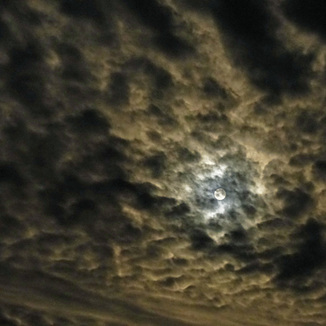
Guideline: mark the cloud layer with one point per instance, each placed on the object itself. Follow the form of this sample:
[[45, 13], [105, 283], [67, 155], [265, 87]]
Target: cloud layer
[[119, 121]]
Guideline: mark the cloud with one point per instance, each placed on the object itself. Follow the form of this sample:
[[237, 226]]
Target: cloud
[[159, 19], [250, 34], [320, 169], [309, 256], [307, 14], [85, 9], [296, 202], [24, 81], [119, 120]]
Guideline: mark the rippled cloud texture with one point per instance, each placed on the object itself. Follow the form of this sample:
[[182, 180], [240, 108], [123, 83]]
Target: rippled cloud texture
[[119, 119]]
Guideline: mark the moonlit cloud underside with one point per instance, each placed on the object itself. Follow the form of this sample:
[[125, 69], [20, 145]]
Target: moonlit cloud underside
[[119, 121]]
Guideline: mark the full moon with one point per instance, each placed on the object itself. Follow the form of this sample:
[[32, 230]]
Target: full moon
[[220, 194]]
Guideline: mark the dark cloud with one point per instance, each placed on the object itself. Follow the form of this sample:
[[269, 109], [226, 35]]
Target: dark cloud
[[200, 240], [74, 66], [213, 120], [153, 14], [301, 159], [256, 266], [161, 79], [83, 9], [11, 226], [275, 223], [306, 122], [156, 163], [178, 211], [162, 116], [26, 14], [185, 155], [26, 76], [320, 169], [307, 14], [159, 19], [309, 256], [243, 252], [119, 89], [212, 88], [296, 202], [7, 322], [4, 32], [10, 174], [250, 33], [89, 121]]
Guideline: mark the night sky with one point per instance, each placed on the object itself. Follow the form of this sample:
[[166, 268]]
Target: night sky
[[119, 120]]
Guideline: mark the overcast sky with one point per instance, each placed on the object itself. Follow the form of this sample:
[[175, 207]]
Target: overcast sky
[[119, 120]]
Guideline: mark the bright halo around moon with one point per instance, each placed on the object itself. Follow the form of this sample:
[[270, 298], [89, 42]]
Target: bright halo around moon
[[220, 194]]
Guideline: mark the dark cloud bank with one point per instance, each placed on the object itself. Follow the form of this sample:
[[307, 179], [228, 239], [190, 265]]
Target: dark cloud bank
[[119, 119]]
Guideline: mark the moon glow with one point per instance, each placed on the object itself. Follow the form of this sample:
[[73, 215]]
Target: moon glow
[[220, 194]]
